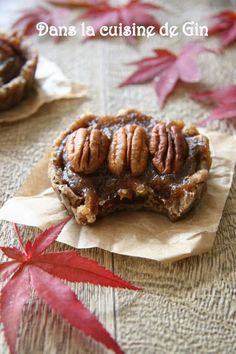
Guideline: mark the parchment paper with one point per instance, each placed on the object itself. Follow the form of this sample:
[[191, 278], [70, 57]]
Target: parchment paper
[[50, 85], [140, 234]]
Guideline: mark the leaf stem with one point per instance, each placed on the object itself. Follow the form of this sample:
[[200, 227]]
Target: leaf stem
[[19, 238]]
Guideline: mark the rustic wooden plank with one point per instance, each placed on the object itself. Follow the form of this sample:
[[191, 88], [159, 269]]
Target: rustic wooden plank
[[187, 306]]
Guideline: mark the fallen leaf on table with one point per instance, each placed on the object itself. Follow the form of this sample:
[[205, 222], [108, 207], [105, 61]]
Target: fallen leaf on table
[[29, 18], [224, 24], [166, 69], [78, 3], [225, 99], [135, 11], [31, 268]]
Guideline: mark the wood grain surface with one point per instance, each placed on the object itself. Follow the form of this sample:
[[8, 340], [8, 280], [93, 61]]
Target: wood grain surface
[[187, 307]]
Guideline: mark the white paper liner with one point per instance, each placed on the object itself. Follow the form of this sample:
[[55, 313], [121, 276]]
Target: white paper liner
[[50, 85], [139, 234]]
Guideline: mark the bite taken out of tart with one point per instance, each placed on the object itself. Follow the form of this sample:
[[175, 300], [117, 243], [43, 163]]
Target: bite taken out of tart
[[18, 62], [129, 162]]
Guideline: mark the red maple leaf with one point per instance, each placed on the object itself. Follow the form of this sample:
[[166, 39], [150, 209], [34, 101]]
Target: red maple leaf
[[31, 268], [166, 69], [134, 12], [78, 3], [225, 98], [224, 23], [29, 18]]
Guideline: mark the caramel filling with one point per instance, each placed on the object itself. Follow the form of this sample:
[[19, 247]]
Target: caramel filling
[[11, 62]]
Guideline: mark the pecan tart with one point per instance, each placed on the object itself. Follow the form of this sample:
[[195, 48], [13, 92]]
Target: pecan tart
[[130, 161], [17, 68]]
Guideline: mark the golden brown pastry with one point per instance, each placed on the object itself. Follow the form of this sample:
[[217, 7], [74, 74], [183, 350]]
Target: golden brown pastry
[[130, 161], [17, 68]]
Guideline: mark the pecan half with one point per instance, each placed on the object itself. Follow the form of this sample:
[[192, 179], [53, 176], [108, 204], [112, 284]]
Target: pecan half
[[128, 151], [168, 147], [87, 150]]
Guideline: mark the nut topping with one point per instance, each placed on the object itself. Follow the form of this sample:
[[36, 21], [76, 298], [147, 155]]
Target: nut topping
[[168, 148], [87, 150], [128, 151]]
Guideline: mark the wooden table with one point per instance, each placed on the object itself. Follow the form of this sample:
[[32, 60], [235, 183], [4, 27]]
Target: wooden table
[[186, 307]]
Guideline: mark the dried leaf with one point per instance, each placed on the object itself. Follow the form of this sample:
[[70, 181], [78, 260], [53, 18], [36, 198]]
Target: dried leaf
[[29, 18], [78, 3], [7, 269], [225, 98], [224, 24], [166, 84], [62, 299], [12, 252], [135, 11], [32, 269], [14, 296], [71, 266], [167, 68], [47, 237]]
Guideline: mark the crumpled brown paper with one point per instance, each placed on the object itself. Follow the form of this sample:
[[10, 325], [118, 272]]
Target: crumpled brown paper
[[140, 234], [50, 85]]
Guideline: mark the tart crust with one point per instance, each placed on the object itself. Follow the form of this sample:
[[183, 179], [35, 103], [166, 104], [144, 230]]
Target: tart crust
[[88, 196], [18, 62]]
